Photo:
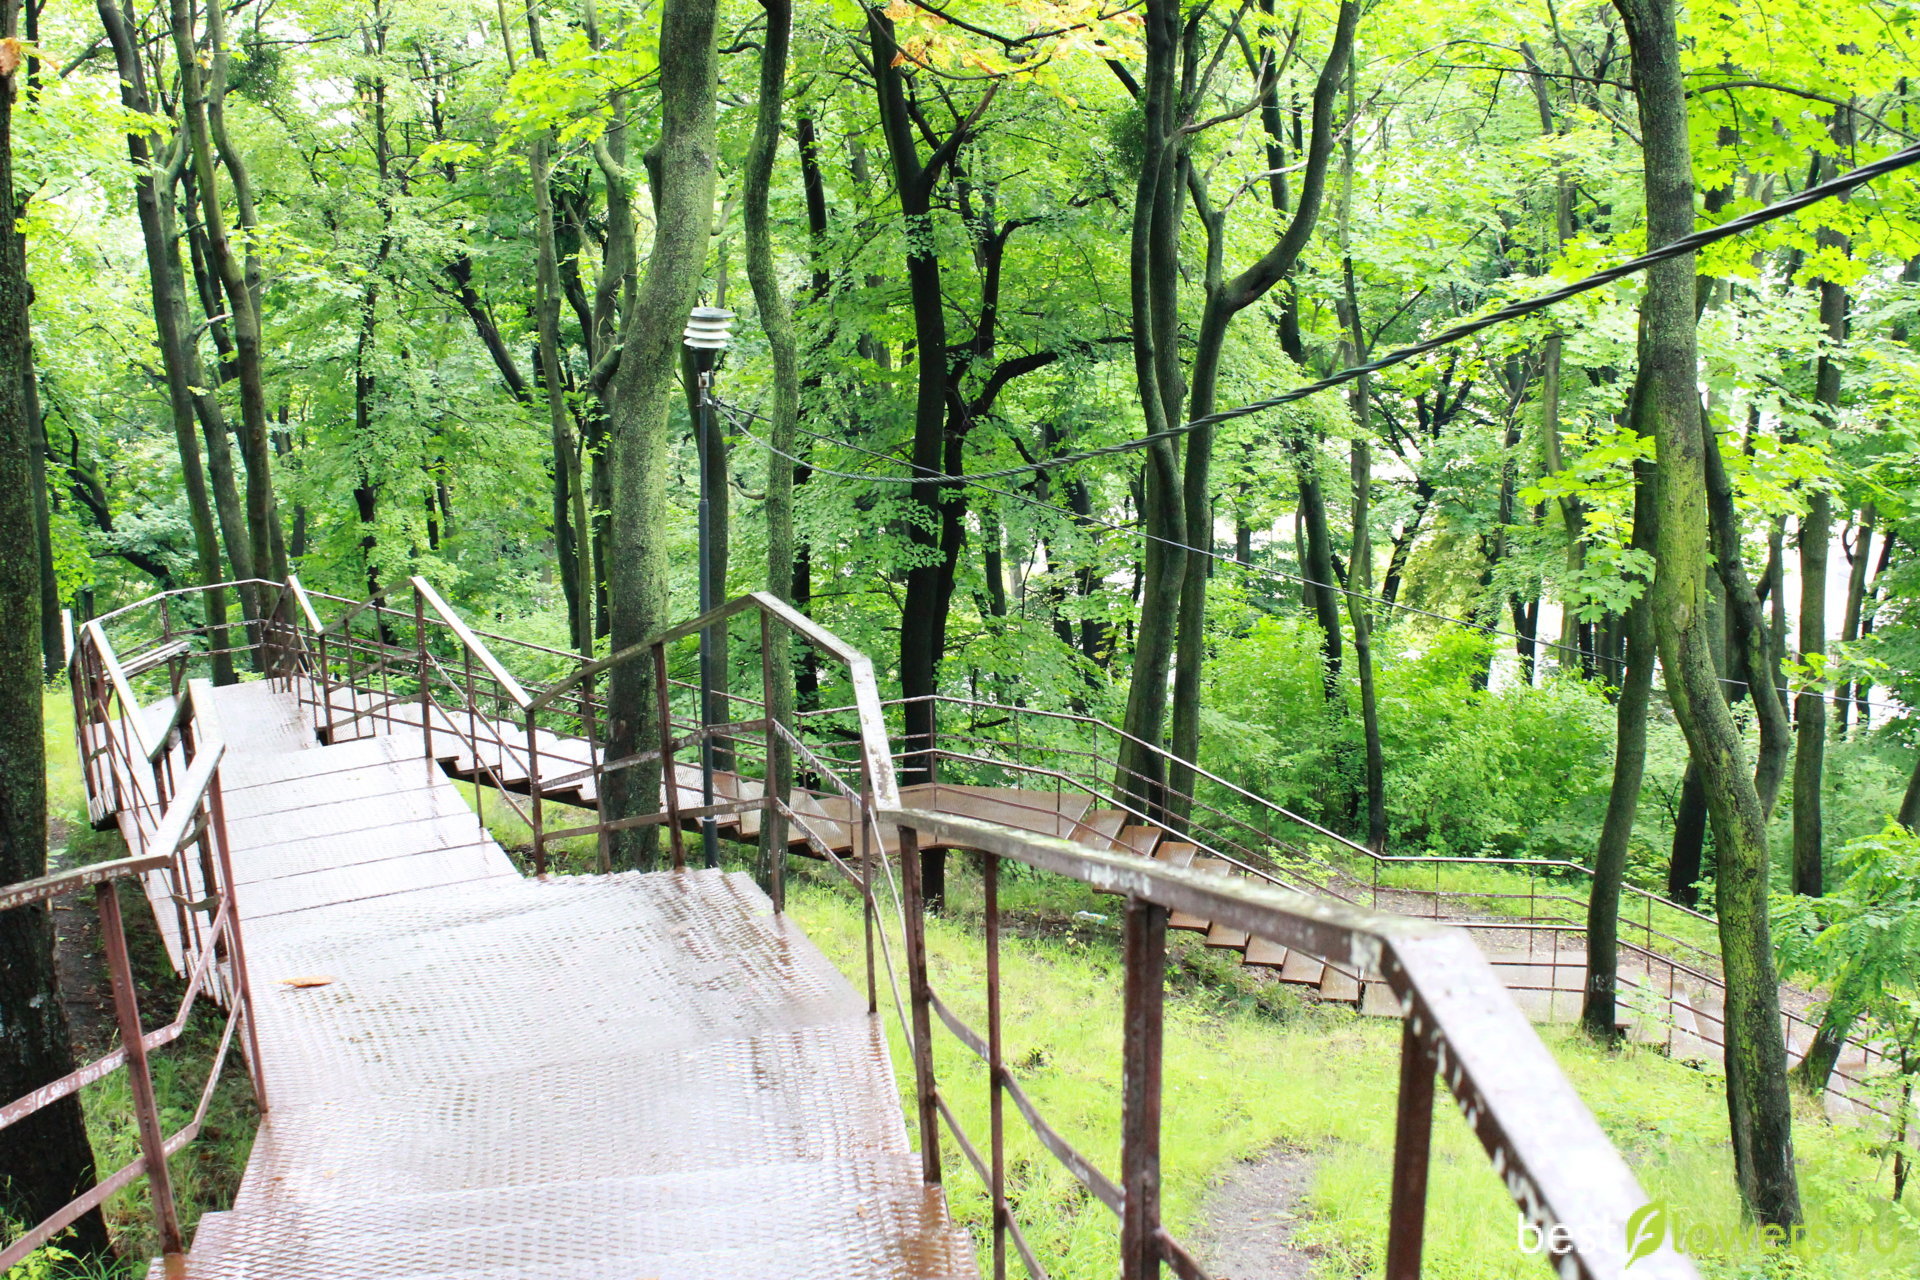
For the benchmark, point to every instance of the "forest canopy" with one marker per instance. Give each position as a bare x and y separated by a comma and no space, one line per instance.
365,289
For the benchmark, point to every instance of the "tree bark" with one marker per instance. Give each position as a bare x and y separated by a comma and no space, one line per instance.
52,636
1816,533
570,529
267,547
643,388
153,184
1153,279
1858,561
46,1157
1599,1011
776,321
1226,299
1759,1110
1689,839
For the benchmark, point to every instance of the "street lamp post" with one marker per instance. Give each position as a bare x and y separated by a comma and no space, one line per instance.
706,337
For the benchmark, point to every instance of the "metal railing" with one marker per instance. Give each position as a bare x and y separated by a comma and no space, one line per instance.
375,668
1669,980
175,822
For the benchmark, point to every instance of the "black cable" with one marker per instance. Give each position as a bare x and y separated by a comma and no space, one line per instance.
1466,329
738,413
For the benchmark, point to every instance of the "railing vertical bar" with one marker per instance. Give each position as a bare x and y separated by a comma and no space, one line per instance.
533,795
864,820
669,776
920,997
236,941
996,1064
1412,1143
426,691
126,1009
1146,980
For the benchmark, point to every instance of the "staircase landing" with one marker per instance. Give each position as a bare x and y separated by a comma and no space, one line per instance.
475,1075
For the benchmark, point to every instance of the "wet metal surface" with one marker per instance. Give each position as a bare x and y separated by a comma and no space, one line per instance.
620,1076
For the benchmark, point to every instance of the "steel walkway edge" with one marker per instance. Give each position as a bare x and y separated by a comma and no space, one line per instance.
628,1077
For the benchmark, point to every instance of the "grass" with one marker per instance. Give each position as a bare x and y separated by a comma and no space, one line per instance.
1247,1072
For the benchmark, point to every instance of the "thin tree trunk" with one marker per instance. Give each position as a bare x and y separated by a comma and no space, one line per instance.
776,321
195,104
1858,561
1599,1012
1227,298
46,1157
643,387
153,202
570,499
1816,533
1153,277
1689,839
52,636
1759,1110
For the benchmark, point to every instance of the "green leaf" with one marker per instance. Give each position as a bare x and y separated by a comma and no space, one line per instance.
1646,1230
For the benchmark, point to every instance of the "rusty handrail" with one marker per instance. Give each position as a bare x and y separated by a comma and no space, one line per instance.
1459,1021
196,814
500,674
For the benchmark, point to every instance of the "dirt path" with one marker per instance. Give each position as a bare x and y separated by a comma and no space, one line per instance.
1250,1217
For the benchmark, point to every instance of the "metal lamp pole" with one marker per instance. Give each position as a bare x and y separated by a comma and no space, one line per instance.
706,337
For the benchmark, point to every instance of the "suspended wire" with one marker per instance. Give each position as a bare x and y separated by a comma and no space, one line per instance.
1447,337
738,415
1687,244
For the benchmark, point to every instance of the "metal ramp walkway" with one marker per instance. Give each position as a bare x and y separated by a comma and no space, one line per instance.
477,1075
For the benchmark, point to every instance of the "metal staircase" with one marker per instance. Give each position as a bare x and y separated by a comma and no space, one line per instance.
477,1073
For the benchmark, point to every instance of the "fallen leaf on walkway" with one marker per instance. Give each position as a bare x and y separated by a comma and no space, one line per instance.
307,982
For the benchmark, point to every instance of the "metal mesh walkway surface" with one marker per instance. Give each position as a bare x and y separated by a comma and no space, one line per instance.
473,1074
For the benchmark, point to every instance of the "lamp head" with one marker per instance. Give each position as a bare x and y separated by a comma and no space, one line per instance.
709,332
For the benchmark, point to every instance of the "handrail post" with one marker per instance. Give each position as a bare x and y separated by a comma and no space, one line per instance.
778,786
996,1066
533,794
921,998
1412,1141
426,694
1146,981
863,818
669,779
237,947
126,1008
324,688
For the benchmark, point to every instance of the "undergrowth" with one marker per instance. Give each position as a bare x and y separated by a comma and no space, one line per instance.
1246,1073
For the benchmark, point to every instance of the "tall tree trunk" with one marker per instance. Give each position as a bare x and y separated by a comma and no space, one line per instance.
1759,1110
643,388
52,635
570,527
1323,592
46,1156
1153,278
234,534
1599,1011
776,321
1227,298
922,618
267,547
153,201
1816,534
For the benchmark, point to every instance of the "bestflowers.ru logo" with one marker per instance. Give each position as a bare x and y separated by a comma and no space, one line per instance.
1655,1224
